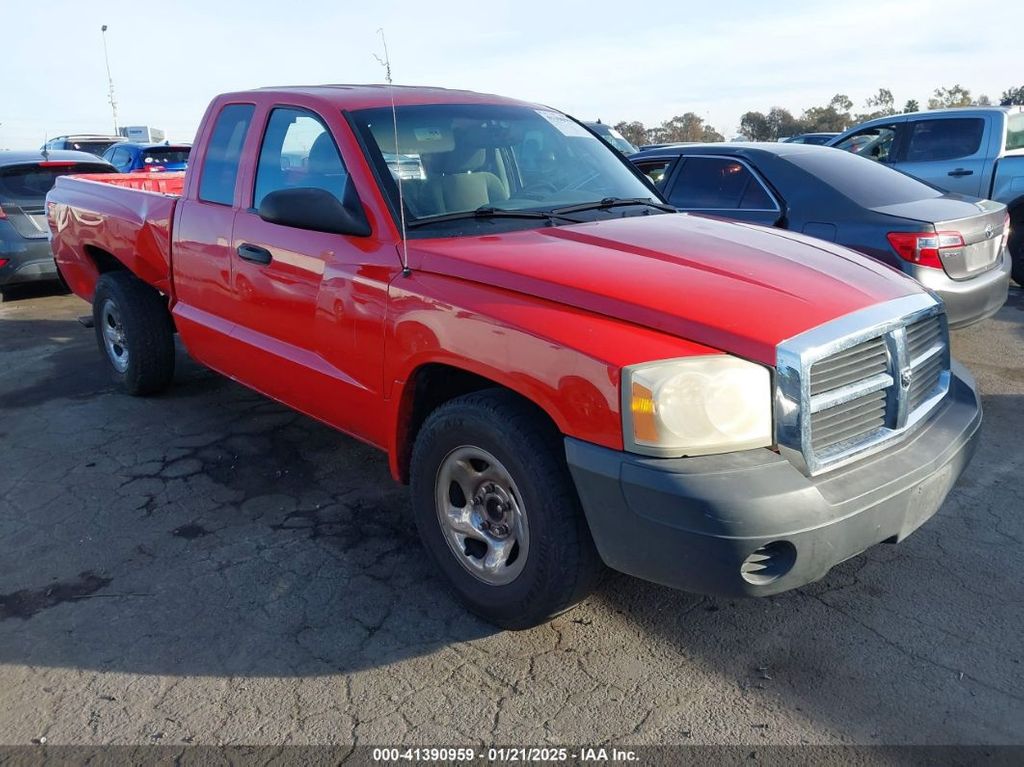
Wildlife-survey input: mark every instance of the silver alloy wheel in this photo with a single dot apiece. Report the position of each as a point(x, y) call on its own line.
point(113, 336)
point(481, 515)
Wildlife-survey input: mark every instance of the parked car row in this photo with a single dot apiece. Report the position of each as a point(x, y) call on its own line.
point(25, 178)
point(950, 243)
point(977, 152)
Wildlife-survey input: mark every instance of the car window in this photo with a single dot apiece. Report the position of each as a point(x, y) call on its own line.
point(298, 151)
point(655, 170)
point(1015, 131)
point(168, 155)
point(945, 139)
point(866, 183)
point(712, 183)
point(220, 165)
point(33, 181)
point(875, 143)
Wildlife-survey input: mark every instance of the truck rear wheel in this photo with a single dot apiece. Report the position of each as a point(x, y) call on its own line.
point(134, 332)
point(1016, 245)
point(498, 512)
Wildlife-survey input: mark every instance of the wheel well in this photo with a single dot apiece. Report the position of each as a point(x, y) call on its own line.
point(104, 261)
point(428, 388)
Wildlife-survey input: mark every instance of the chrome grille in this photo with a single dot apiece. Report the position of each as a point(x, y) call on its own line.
point(848, 421)
point(846, 367)
point(861, 381)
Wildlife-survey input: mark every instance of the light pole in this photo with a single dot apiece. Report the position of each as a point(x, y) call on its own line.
point(110, 80)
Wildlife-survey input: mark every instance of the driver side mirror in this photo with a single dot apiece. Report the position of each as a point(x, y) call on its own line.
point(314, 209)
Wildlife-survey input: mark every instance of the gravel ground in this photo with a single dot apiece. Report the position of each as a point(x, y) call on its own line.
point(209, 567)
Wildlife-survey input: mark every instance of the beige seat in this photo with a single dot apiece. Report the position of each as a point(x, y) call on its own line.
point(455, 182)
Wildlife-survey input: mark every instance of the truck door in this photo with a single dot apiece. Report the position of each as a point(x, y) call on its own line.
point(310, 305)
point(202, 236)
point(947, 152)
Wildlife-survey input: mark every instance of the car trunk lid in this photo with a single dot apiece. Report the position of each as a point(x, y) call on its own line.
point(980, 225)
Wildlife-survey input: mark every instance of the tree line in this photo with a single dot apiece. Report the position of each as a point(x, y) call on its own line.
point(835, 116)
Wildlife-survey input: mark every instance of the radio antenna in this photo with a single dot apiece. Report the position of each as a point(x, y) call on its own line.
point(386, 63)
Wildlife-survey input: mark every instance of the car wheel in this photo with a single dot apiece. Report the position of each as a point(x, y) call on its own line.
point(498, 512)
point(135, 333)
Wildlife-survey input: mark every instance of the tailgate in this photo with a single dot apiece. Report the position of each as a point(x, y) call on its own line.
point(126, 215)
point(983, 239)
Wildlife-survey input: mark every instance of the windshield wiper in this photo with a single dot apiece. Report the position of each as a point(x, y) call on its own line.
point(613, 202)
point(488, 211)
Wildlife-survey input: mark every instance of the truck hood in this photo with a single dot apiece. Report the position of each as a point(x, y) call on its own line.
point(734, 287)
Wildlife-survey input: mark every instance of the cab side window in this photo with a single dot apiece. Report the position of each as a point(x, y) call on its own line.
point(298, 152)
point(220, 165)
point(946, 139)
point(875, 143)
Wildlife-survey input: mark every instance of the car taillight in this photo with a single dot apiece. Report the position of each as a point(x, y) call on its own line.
point(925, 248)
point(2, 214)
point(57, 163)
point(3, 263)
point(1006, 233)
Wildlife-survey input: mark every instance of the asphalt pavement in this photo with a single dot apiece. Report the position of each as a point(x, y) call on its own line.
point(207, 566)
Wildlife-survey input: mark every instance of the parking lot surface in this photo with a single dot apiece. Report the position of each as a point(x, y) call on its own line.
point(207, 566)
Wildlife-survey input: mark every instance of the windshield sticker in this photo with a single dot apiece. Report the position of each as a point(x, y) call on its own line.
point(563, 124)
point(428, 134)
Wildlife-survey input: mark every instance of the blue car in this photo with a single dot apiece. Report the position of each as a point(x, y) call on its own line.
point(129, 157)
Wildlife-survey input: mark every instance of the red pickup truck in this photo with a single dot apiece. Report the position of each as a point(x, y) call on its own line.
point(567, 372)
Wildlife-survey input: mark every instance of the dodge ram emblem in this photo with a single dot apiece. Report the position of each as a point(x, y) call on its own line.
point(906, 377)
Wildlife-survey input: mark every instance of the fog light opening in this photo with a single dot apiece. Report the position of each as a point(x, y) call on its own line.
point(769, 563)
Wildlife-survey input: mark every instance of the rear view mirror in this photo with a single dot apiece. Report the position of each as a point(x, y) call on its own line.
point(315, 209)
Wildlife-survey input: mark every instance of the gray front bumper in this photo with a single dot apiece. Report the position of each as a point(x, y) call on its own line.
point(691, 523)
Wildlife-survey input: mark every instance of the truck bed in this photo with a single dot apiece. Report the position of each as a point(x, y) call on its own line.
point(100, 219)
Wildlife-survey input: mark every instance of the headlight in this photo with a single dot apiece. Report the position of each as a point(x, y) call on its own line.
point(696, 406)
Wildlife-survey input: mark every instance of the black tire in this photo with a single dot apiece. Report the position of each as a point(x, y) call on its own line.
point(561, 565)
point(1016, 245)
point(144, 330)
point(1017, 257)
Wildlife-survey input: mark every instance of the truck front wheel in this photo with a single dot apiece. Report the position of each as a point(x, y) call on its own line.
point(497, 510)
point(134, 332)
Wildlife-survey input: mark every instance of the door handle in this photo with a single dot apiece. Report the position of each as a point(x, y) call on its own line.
point(254, 253)
point(960, 172)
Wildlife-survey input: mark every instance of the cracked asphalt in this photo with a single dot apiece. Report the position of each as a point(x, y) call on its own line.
point(209, 567)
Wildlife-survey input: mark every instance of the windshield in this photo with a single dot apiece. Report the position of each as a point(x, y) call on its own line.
point(92, 147)
point(613, 137)
point(464, 158)
point(166, 156)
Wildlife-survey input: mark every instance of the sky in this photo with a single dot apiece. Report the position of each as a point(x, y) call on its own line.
point(593, 60)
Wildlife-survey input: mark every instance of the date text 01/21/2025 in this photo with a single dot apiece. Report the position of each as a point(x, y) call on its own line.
point(502, 754)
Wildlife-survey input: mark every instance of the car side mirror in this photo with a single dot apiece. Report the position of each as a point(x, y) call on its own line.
point(315, 209)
